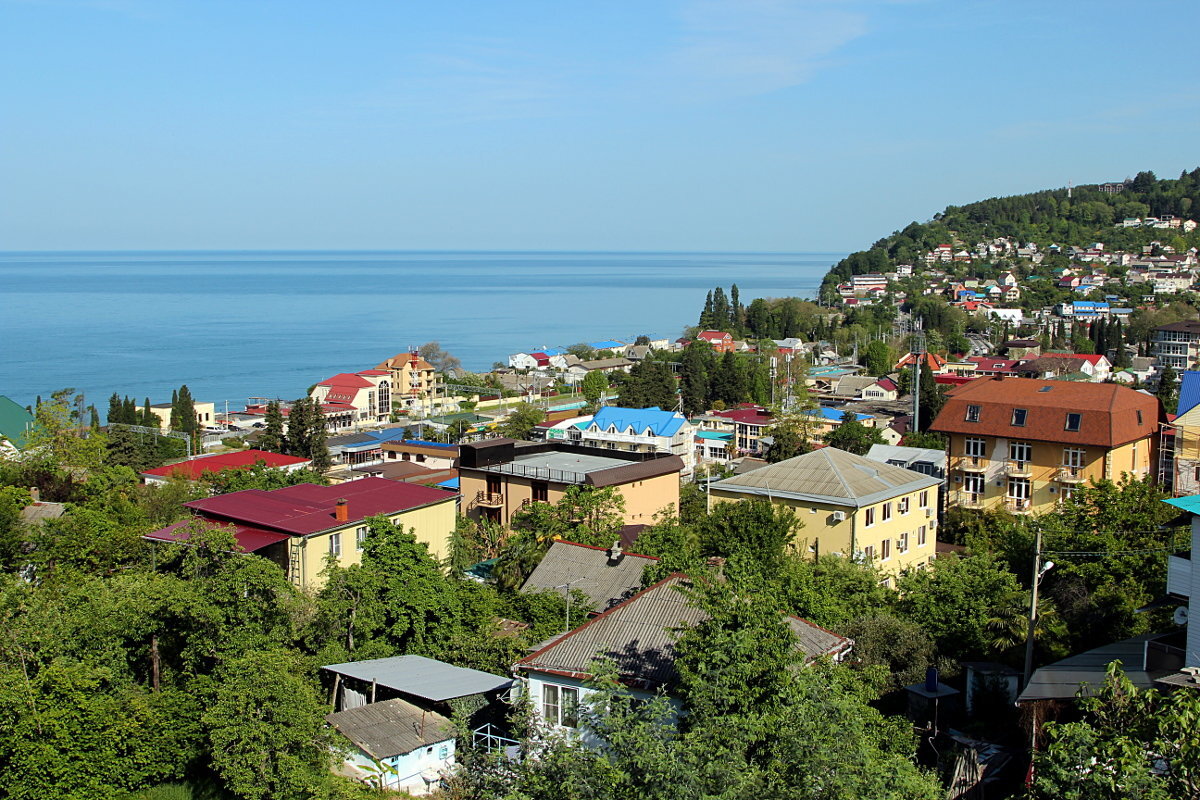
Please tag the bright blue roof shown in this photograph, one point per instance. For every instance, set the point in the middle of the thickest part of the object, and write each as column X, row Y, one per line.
column 1189, row 391
column 1089, row 304
column 835, row 414
column 427, row 443
column 1191, row 504
column 450, row 484
column 551, row 351
column 662, row 423
column 609, row 345
column 714, row 435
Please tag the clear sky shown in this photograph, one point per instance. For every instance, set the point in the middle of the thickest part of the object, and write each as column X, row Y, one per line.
column 767, row 125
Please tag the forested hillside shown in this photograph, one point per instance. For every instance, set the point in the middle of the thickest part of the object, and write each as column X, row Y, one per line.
column 1046, row 217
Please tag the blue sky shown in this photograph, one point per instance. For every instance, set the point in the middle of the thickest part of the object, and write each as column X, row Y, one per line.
column 767, row 125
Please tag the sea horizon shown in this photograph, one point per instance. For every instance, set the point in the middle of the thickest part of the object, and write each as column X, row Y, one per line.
column 234, row 324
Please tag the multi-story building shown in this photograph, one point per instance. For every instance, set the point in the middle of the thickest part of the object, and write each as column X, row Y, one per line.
column 298, row 526
column 206, row 413
column 642, row 430
column 850, row 506
column 1177, row 344
column 499, row 477
column 350, row 399
column 414, row 381
column 1024, row 445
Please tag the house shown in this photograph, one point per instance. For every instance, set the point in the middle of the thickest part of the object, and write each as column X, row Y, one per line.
column 206, row 413
column 1023, row 444
column 720, row 341
column 1097, row 368
column 498, row 477
column 351, row 399
column 362, row 448
column 747, row 423
column 1022, row 348
column 434, row 455
column 298, row 526
column 1173, row 282
column 884, row 389
column 850, row 505
column 824, row 419
column 414, row 381
column 194, row 469
column 1177, row 344
column 599, row 365
column 713, row 446
column 639, row 635
column 396, row 745
column 935, row 362
column 522, row 361
column 642, row 430
column 606, row 575
column 15, row 424
column 853, row 386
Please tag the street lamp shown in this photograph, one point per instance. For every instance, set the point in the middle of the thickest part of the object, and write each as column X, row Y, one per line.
column 1039, row 570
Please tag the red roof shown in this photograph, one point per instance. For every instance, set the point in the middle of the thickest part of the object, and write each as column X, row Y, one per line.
column 347, row 380
column 747, row 416
column 249, row 537
column 373, row 372
column 307, row 508
column 887, row 384
column 244, row 459
column 1091, row 359
column 713, row 336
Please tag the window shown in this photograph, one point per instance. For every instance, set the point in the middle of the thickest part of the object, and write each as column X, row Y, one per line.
column 1073, row 421
column 974, row 485
column 902, row 543
column 887, row 511
column 972, row 413
column 1018, row 417
column 885, row 550
column 1073, row 458
column 360, row 536
column 1139, row 413
column 1067, row 492
column 1198, row 474
column 925, row 499
column 540, row 492
column 902, row 504
column 560, row 705
column 869, row 517
column 335, row 544
column 869, row 553
column 1018, row 488
column 921, row 536
column 975, row 448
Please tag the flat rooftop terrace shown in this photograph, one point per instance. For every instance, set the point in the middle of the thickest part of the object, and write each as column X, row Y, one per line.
column 568, row 462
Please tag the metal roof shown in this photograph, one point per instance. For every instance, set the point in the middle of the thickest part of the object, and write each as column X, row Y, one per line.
column 1189, row 392
column 1190, row 503
column 1064, row 679
column 591, row 571
column 391, row 728
column 422, row 677
column 662, row 423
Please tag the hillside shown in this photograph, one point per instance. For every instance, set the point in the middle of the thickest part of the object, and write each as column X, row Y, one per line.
column 1046, row 218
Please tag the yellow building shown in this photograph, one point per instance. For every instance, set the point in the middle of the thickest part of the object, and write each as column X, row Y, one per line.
column 849, row 505
column 498, row 477
column 1024, row 445
column 415, row 383
column 298, row 527
column 205, row 413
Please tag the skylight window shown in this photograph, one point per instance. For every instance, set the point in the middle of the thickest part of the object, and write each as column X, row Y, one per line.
column 1018, row 417
column 1045, row 388
column 1073, row 421
column 972, row 413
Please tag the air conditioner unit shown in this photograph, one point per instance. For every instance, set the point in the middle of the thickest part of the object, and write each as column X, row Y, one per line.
column 928, row 512
column 839, row 516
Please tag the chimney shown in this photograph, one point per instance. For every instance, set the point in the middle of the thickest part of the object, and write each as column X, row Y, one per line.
column 341, row 512
column 35, row 494
column 615, row 554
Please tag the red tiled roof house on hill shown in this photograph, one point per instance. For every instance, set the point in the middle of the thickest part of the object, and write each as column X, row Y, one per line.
column 297, row 526
column 348, row 398
column 1025, row 444
column 194, row 469
column 721, row 342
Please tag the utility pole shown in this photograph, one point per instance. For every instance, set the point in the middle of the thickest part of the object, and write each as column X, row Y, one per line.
column 1038, row 571
column 918, row 350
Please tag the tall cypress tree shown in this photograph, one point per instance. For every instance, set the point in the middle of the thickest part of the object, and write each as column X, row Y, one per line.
column 176, row 420
column 706, row 320
column 299, row 429
column 148, row 418
column 187, row 411
column 129, row 413
column 271, row 439
column 94, row 423
column 694, row 378
column 115, row 409
column 318, row 450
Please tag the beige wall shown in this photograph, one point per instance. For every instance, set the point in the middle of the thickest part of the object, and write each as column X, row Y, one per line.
column 825, row 535
column 643, row 498
column 205, row 414
column 1046, row 459
column 432, row 524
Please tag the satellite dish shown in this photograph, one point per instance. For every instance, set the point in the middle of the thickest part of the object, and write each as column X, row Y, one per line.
column 1181, row 616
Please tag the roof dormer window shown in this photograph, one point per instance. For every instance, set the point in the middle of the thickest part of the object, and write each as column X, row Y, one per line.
column 1018, row 417
column 972, row 413
column 1073, row 421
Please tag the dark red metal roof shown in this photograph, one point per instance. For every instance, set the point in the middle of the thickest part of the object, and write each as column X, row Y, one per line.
column 248, row 537
column 244, row 459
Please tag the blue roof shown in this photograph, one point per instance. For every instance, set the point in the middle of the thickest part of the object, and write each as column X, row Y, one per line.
column 714, row 435
column 1191, row 503
column 427, row 443
column 835, row 414
column 661, row 423
column 450, row 484
column 609, row 345
column 1089, row 304
column 551, row 351
column 1189, row 391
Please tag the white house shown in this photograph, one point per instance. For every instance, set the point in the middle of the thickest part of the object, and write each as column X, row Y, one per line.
column 642, row 430
column 522, row 361
column 396, row 745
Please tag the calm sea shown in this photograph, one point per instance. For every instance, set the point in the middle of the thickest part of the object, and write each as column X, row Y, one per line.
column 238, row 324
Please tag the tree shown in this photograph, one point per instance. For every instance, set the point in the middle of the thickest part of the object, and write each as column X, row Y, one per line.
column 594, row 384
column 266, row 728
column 438, row 358
column 521, row 421
column 1168, row 388
column 877, row 358
column 1131, row 743
column 318, row 437
column 695, row 377
column 299, row 429
column 852, row 436
column 752, row 536
column 272, row 439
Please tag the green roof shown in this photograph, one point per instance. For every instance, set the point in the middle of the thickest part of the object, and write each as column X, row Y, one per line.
column 15, row 421
column 1191, row 504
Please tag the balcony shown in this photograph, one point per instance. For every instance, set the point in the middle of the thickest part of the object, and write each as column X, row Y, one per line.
column 1019, row 469
column 969, row 499
column 1017, row 505
column 1068, row 474
column 489, row 499
column 971, row 464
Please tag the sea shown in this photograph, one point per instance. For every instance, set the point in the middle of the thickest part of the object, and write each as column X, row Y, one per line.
column 234, row 325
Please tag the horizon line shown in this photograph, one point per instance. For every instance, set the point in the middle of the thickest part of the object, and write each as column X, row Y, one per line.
column 418, row 250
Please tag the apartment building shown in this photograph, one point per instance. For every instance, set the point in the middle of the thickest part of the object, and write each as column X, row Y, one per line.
column 642, row 430
column 1177, row 344
column 1024, row 445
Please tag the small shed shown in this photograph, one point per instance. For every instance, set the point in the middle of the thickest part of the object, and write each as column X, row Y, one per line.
column 396, row 745
column 420, row 678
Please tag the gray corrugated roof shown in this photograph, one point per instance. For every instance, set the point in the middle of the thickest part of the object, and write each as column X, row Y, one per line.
column 639, row 635
column 829, row 476
column 590, row 571
column 1062, row 680
column 391, row 728
column 909, row 455
column 422, row 677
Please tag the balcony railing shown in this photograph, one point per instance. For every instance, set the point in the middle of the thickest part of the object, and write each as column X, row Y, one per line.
column 1017, row 505
column 1018, row 469
column 1070, row 474
column 489, row 499
column 538, row 473
column 969, row 499
column 971, row 464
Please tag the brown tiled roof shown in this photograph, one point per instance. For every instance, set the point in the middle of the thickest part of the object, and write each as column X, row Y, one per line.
column 1186, row 326
column 1109, row 412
